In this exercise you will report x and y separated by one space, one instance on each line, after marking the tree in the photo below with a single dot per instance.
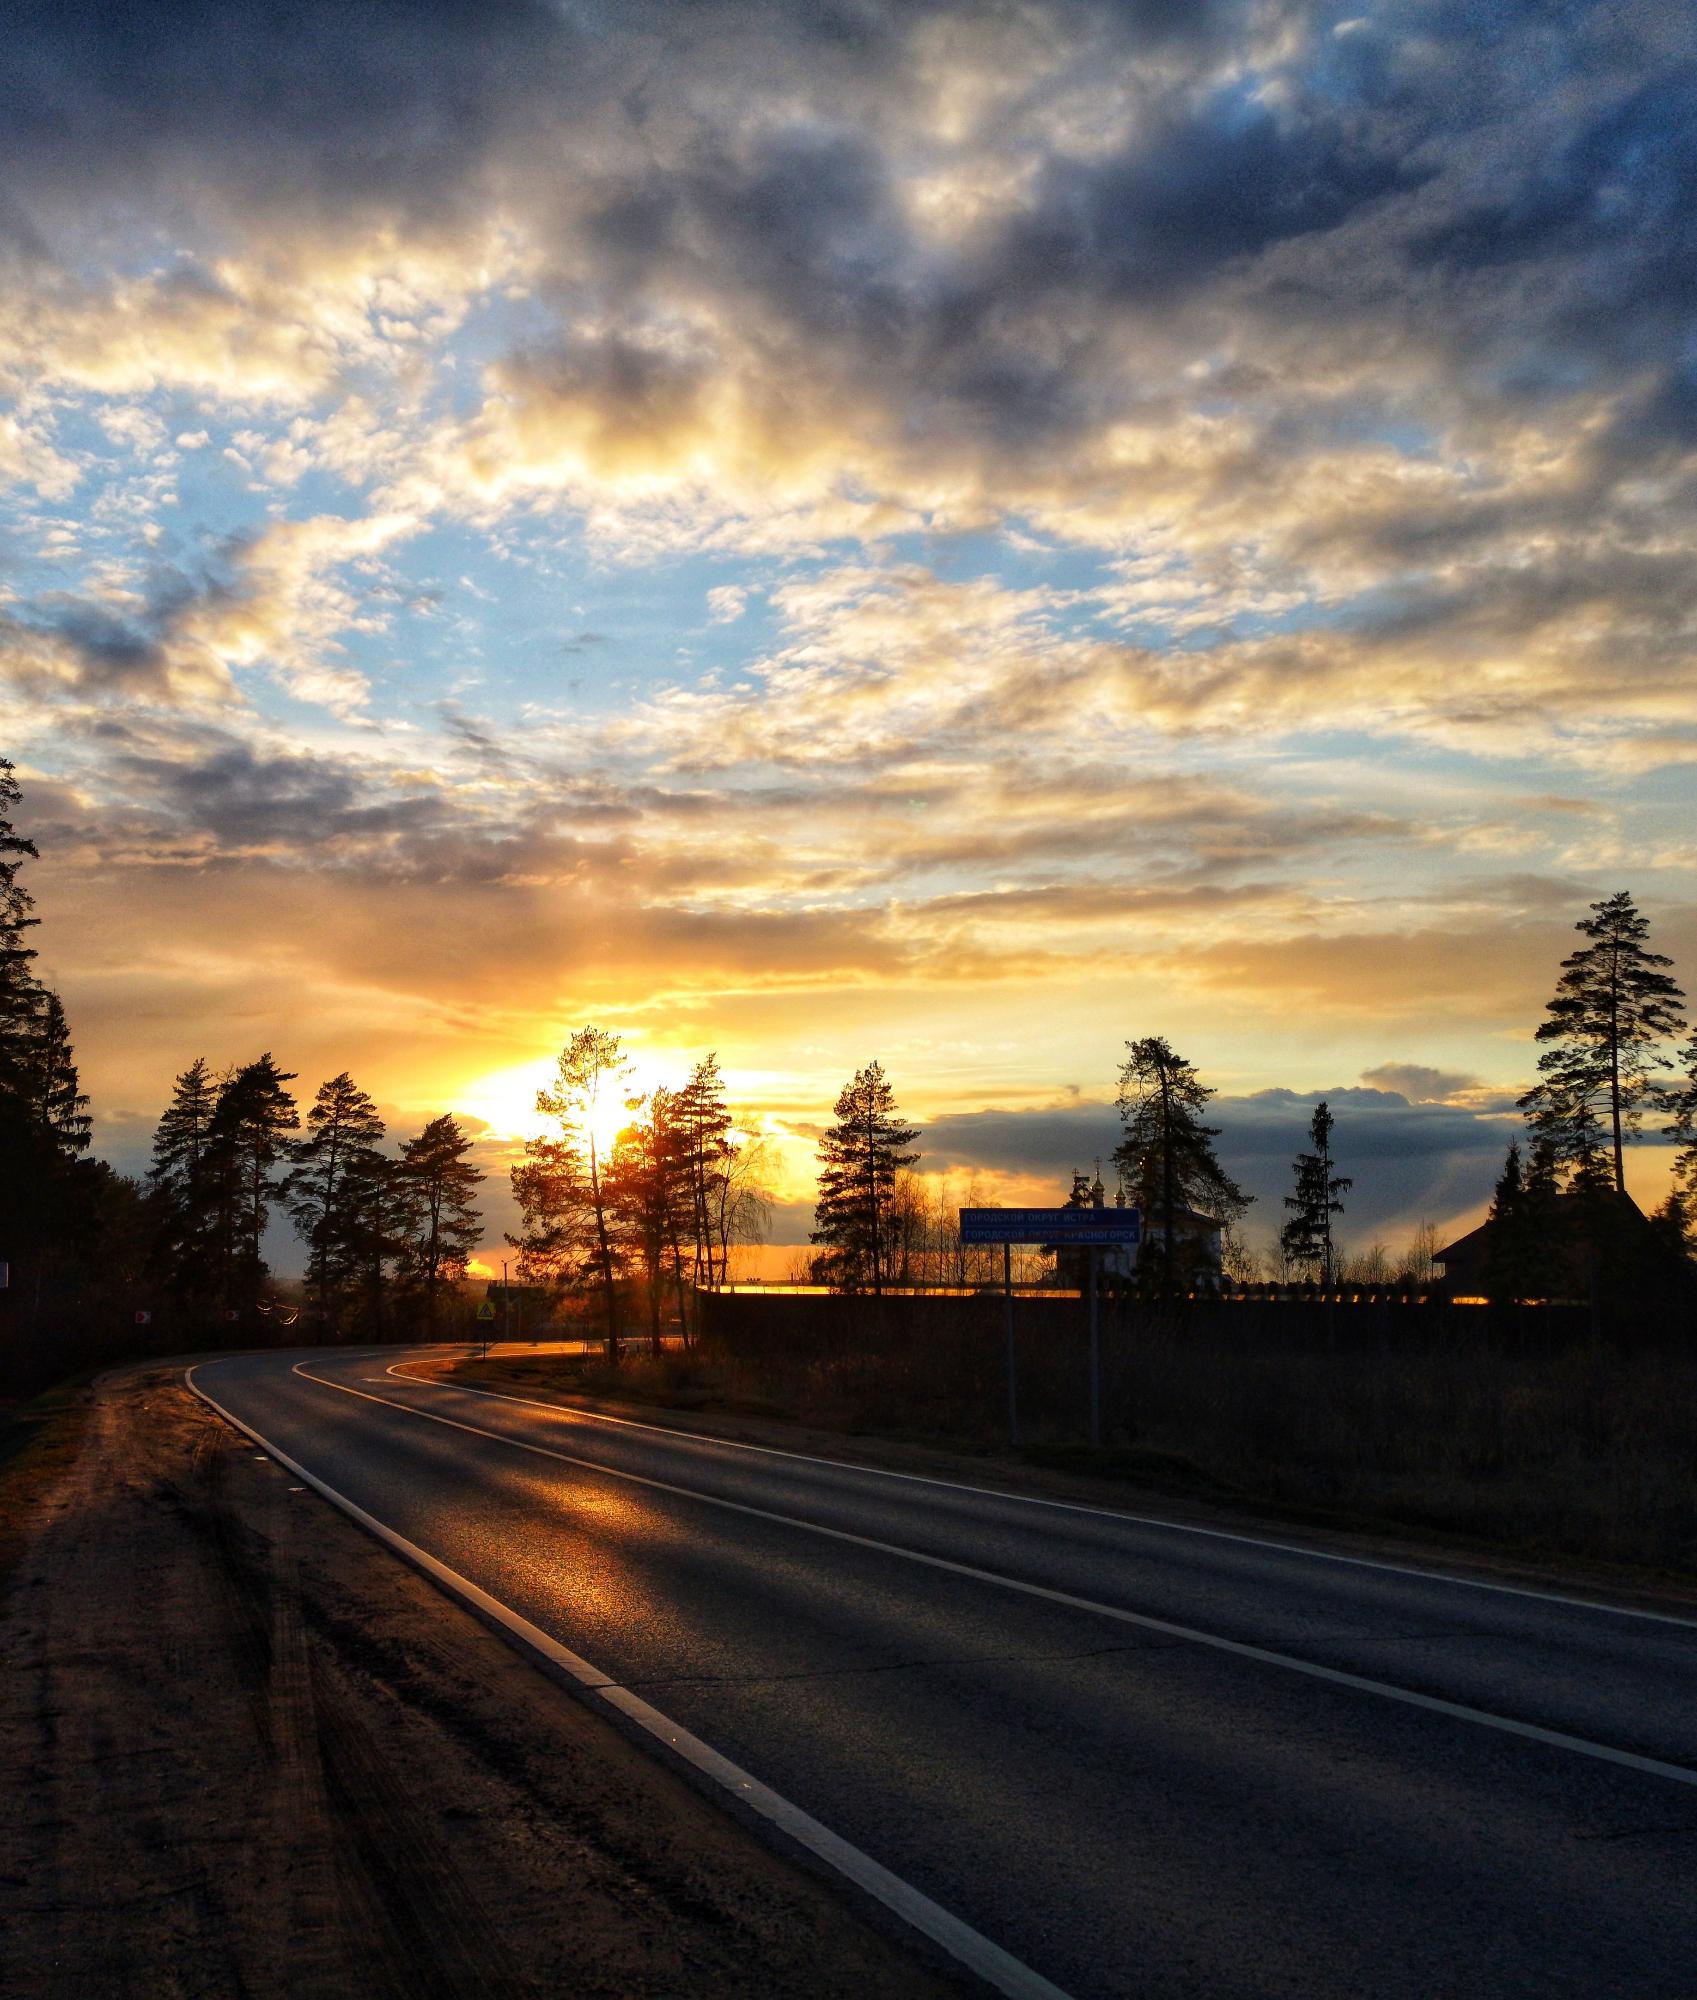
704 1122
72 1228
651 1194
330 1190
859 1158
551 1188
59 1105
19 993
1614 1004
378 1221
438 1183
1419 1267
178 1185
1682 1129
1307 1237
1167 1154
1521 1214
740 1208
588 1079
246 1140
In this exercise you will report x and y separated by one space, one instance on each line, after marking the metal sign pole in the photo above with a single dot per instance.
1095 1354
1013 1377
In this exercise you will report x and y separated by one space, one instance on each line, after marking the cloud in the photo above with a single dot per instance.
1420 1082
1223 482
1409 1162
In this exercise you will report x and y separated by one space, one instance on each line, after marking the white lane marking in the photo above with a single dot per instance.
998 1969
1062 1506
1239 1648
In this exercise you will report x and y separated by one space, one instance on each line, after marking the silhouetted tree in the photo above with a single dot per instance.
1614 1004
587 1079
19 992
1307 1237
247 1139
650 1187
859 1158
68 1225
740 1204
1525 1246
180 1199
442 1225
1167 1155
704 1121
332 1185
60 1104
1682 1130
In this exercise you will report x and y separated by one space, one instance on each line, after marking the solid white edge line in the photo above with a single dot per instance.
1241 1649
1071 1506
998 1969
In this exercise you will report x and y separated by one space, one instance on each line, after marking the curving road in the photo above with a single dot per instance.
1140 1757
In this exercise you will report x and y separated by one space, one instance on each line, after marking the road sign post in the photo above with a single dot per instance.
1013 1367
1089 1229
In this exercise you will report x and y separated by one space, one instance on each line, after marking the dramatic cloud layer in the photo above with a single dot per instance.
954 532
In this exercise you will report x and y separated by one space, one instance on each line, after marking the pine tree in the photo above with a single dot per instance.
704 1121
443 1226
57 1101
1167 1154
1681 1128
859 1158
19 993
179 1195
1522 1246
551 1190
1307 1237
1614 1004
379 1215
247 1139
331 1187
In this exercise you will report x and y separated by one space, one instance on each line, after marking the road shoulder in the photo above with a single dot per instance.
262 1756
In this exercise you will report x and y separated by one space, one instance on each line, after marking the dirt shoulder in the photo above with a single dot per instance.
1171 1489
257 1755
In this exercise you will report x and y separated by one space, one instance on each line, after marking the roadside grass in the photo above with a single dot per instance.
39 1439
1585 1454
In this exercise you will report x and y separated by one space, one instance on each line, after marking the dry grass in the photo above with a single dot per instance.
1583 1452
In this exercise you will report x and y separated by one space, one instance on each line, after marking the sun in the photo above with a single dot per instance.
505 1099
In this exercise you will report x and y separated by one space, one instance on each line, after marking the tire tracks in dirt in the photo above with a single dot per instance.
263 1759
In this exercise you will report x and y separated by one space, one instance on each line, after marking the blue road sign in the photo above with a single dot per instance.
1051 1225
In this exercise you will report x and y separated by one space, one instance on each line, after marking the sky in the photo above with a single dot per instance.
958 535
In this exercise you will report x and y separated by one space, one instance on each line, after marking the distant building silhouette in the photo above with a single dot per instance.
1569 1255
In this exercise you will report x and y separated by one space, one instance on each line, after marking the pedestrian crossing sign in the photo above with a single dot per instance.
486 1310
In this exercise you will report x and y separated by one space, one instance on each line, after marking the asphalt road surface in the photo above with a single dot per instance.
1141 1758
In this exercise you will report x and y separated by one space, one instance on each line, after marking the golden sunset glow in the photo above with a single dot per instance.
963 572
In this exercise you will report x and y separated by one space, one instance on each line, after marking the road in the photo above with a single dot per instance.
1138 1757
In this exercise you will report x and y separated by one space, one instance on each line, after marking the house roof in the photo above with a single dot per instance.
1475 1238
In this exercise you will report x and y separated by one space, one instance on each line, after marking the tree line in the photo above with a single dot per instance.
72 1236
1560 1218
639 1198
384 1234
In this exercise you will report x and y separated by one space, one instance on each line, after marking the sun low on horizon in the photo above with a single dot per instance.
957 537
